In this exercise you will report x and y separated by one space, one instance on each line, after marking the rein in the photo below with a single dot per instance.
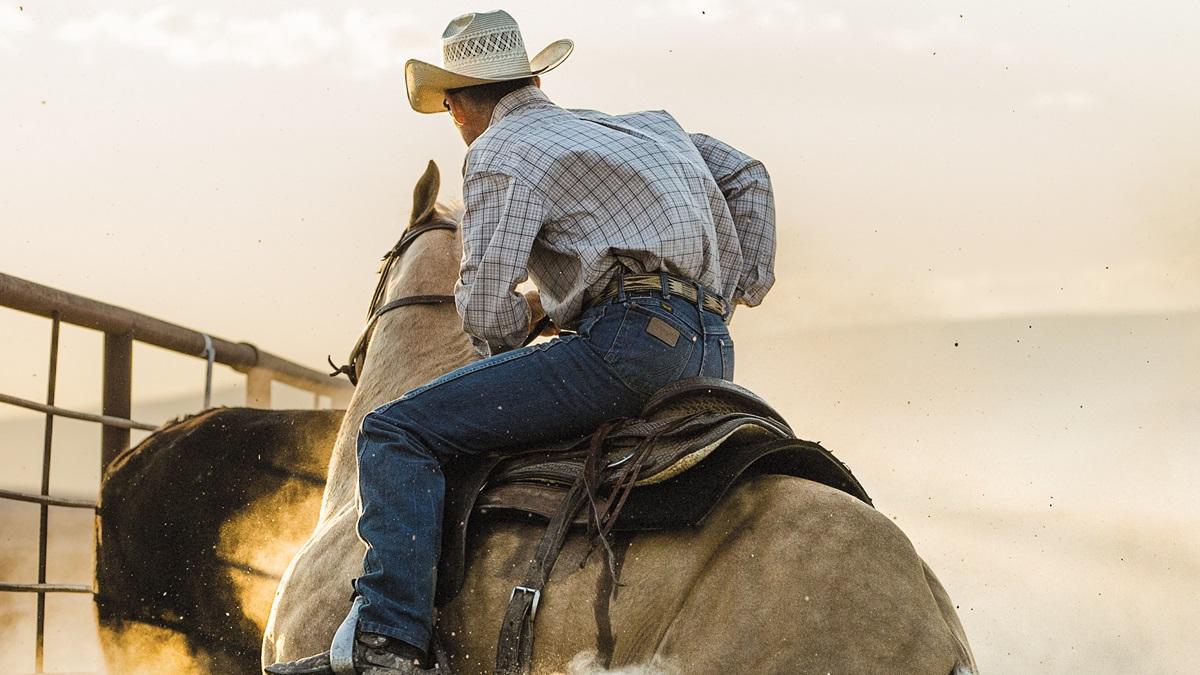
358 354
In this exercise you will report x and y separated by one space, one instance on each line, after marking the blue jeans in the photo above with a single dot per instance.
622 353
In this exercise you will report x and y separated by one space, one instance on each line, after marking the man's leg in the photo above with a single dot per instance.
565 387
516 399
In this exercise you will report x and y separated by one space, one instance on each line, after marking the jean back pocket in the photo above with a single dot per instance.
650 349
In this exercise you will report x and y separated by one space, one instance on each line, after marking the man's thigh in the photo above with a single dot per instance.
513 400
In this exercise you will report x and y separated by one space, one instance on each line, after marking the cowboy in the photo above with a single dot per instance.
640 239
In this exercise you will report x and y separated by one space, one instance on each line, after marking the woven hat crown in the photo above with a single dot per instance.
478 48
485 45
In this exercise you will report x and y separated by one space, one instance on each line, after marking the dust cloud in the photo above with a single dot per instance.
587 663
262 540
73 641
140 649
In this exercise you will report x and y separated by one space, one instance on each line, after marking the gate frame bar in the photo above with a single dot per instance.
121 328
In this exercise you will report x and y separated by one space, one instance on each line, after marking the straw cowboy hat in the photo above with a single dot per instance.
478 48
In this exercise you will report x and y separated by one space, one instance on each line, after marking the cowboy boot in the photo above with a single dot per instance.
358 653
372 655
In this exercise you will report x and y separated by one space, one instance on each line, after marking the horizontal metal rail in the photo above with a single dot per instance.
46 588
48 500
106 420
35 298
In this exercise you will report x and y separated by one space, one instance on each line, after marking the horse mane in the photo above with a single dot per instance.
451 208
180 419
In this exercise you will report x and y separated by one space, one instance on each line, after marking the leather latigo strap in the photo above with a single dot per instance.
514 651
653 282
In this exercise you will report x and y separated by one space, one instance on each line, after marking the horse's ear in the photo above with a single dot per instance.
425 194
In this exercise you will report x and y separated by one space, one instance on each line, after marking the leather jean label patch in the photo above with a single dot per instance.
663 331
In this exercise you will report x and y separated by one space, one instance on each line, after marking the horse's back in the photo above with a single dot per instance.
813 580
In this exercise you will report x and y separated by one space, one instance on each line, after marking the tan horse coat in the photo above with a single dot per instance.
784 576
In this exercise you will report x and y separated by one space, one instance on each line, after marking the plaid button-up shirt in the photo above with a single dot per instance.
566 196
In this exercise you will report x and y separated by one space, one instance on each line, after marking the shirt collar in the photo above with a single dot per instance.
515 100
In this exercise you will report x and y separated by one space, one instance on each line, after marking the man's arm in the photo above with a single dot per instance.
502 218
747 189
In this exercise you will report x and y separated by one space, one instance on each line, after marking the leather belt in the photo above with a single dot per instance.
665 284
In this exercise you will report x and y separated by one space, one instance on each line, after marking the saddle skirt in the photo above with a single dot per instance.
692 441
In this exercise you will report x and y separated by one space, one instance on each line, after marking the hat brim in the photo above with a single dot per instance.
427 83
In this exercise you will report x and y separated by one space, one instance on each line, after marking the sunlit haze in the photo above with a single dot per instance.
988 258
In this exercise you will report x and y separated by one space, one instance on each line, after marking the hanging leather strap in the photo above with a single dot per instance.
514 651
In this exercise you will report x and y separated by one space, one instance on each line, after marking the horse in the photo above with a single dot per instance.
783 575
196 525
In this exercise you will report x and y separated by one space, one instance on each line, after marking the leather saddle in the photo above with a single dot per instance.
693 441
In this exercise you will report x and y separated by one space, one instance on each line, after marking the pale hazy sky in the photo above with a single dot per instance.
240 167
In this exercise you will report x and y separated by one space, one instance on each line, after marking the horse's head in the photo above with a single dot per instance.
419 270
426 263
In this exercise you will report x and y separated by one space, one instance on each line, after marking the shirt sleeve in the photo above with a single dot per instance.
747 189
501 221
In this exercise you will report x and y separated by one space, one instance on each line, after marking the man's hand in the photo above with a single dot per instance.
536 313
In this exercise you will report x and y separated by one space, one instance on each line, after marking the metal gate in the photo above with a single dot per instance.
121 328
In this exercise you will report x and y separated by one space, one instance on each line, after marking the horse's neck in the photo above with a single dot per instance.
410 346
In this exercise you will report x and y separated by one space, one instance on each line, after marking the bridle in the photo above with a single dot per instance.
358 355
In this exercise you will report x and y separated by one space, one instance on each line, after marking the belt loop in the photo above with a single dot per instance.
665 283
621 283
700 318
